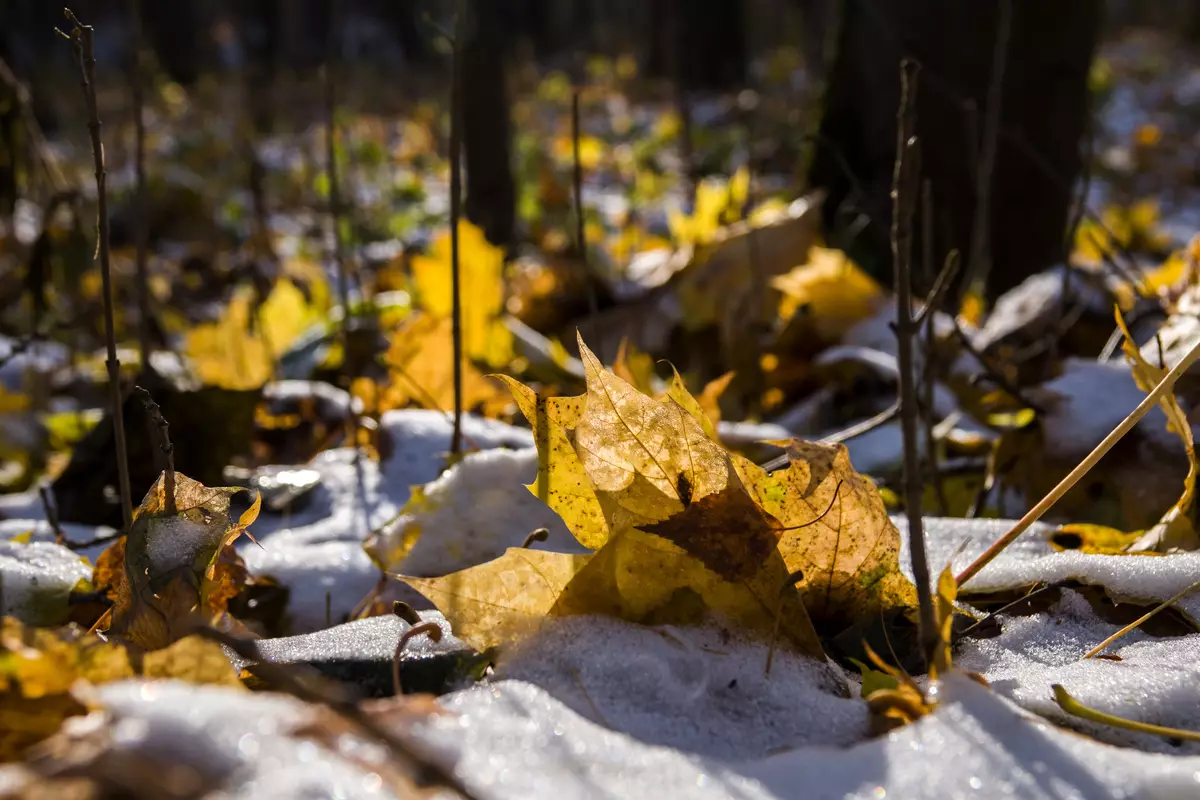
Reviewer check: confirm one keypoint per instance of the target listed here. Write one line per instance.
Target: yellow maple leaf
(646, 459)
(233, 353)
(481, 271)
(421, 363)
(838, 533)
(834, 292)
(562, 483)
(1175, 529)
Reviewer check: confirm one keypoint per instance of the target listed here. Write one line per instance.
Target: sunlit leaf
(831, 290)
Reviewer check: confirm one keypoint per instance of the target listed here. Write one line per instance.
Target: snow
(977, 745)
(1076, 422)
(1156, 681)
(473, 513)
(512, 741)
(1030, 560)
(36, 579)
(370, 639)
(244, 740)
(318, 550)
(687, 688)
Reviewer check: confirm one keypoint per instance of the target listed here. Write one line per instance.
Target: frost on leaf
(176, 565)
(1175, 529)
(836, 531)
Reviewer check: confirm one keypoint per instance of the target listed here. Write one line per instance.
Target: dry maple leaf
(1175, 529)
(562, 483)
(174, 564)
(646, 459)
(837, 533)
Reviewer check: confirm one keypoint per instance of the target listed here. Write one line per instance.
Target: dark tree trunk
(700, 44)
(1044, 113)
(491, 195)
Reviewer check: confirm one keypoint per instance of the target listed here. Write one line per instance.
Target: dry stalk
(82, 40)
(1165, 386)
(455, 212)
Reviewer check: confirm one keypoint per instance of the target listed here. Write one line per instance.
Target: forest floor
(669, 552)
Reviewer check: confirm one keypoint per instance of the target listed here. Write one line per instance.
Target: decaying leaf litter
(682, 595)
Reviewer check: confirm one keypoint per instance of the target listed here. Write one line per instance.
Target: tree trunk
(700, 44)
(1043, 118)
(491, 195)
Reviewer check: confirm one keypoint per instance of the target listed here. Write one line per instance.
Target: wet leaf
(562, 483)
(837, 532)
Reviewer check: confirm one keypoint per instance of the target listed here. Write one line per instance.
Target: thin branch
(455, 213)
(940, 286)
(82, 40)
(577, 180)
(980, 262)
(905, 183)
(928, 382)
(1164, 387)
(158, 429)
(993, 372)
(50, 507)
(141, 203)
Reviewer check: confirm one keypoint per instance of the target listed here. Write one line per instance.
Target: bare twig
(905, 182)
(993, 372)
(577, 180)
(141, 204)
(50, 507)
(979, 262)
(455, 212)
(929, 378)
(1164, 387)
(157, 427)
(857, 429)
(81, 38)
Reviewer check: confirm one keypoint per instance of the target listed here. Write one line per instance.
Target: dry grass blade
(1137, 623)
(1077, 709)
(1164, 386)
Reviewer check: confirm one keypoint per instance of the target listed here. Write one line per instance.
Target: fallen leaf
(836, 531)
(421, 363)
(172, 566)
(830, 290)
(1176, 528)
(562, 482)
(646, 459)
(481, 271)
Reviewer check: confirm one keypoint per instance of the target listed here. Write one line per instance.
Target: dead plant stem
(455, 212)
(82, 40)
(142, 233)
(905, 185)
